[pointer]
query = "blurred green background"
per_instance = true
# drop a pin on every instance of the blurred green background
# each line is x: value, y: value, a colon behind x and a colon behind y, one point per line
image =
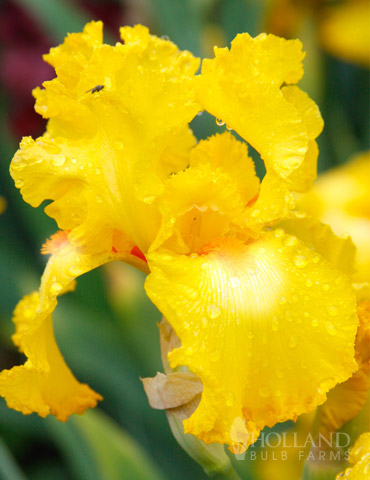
x: 107, y: 329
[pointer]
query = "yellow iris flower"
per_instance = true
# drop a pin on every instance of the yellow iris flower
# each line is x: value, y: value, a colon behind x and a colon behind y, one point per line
x: 341, y: 198
x: 342, y: 26
x: 267, y: 319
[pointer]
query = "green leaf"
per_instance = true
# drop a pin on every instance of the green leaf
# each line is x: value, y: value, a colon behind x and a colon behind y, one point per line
x: 9, y: 469
x: 97, y: 448
x: 180, y: 20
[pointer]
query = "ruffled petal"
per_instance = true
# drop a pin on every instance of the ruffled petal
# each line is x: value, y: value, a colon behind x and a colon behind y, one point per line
x: 209, y: 198
x: 242, y: 87
x: 346, y: 400
x: 259, y: 327
x: 44, y: 384
x: 118, y: 127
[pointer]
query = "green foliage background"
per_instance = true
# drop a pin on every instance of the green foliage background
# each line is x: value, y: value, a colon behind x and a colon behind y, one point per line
x: 109, y: 336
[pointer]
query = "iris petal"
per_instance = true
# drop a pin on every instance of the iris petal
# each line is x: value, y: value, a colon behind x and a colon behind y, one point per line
x: 258, y: 327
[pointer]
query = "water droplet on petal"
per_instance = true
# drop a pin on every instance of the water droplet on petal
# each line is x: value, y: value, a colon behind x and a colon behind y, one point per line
x: 256, y: 213
x: 282, y: 301
x: 97, y: 171
x: 213, y: 311
x: 18, y: 163
x: 118, y: 143
x: 76, y: 270
x: 55, y: 288
x: 326, y: 287
x: 315, y: 322
x: 330, y: 328
x: 73, y: 160
x: 309, y: 282
x: 290, y: 240
x: 19, y: 183
x: 275, y: 324
x: 279, y: 232
x: 228, y: 128
x: 219, y: 122
x: 189, y: 351
x: 300, y: 261
x: 264, y: 391
x: 58, y: 160
x: 333, y: 310
x: 316, y: 259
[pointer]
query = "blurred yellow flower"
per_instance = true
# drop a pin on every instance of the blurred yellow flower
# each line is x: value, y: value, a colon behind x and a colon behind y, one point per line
x: 341, y: 198
x: 267, y: 321
x: 343, y: 27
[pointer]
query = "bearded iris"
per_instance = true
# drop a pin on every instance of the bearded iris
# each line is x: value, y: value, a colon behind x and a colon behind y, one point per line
x: 266, y: 318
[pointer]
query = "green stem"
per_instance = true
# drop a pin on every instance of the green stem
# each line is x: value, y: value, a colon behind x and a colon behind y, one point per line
x: 227, y: 474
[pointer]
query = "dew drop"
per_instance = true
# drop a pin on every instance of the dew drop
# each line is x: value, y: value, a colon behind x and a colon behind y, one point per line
x: 81, y: 167
x: 18, y: 164
x: 333, y: 311
x: 309, y: 282
x: 292, y: 342
x: 315, y: 322
x: 76, y: 270
x: 55, y: 288
x: 326, y: 287
x: 219, y: 122
x: 279, y: 232
x: 282, y: 301
x: 189, y: 350
x: 97, y: 171
x: 330, y: 328
x: 58, y: 160
x: 98, y: 199
x: 275, y: 324
x: 264, y: 391
x: 256, y: 213
x: 213, y: 311
x: 19, y: 183
x: 367, y: 469
x: 316, y: 259
x: 73, y: 160
x: 290, y: 240
x: 118, y: 144
x: 228, y: 128
x: 300, y: 261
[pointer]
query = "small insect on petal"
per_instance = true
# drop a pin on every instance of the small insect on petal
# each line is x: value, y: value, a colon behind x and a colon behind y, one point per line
x: 98, y: 88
